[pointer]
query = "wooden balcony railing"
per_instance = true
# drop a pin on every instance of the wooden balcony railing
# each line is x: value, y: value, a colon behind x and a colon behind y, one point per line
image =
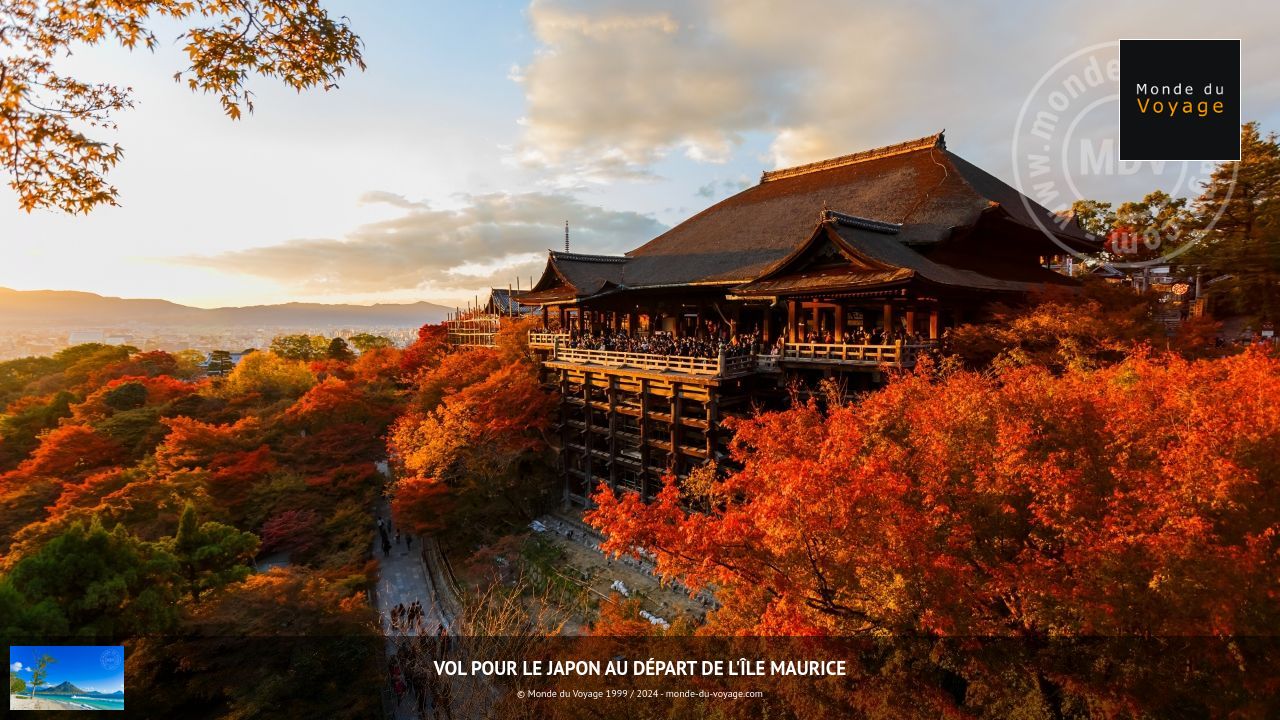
x: 658, y: 363
x: 547, y: 340
x: 897, y: 354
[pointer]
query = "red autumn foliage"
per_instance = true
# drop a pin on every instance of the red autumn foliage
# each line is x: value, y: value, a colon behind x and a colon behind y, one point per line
x: 68, y: 452
x: 235, y: 472
x: 454, y: 372
x: 483, y: 427
x: 475, y: 418
x: 152, y: 363
x: 347, y: 477
x: 1095, y: 324
x: 157, y: 391
x: 1135, y: 499
x: 426, y: 351
x: 377, y: 365
x: 194, y: 444
x: 90, y: 491
x: 337, y: 402
x: 334, y: 446
x: 620, y: 617
x: 421, y: 504
x: 330, y: 368
x: 292, y: 531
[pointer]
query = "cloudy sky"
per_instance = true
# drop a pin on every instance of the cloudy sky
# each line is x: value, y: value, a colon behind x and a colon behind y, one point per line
x: 452, y: 163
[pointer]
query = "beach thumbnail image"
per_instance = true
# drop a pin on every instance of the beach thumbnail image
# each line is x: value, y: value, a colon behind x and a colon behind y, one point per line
x: 66, y: 677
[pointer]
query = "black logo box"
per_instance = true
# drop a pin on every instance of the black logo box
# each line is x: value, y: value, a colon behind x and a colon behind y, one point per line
x: 1187, y: 68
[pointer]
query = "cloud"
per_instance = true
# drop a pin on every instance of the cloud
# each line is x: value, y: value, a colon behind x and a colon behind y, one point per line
x: 16, y: 667
x: 719, y: 188
x: 383, y: 197
x: 489, y: 240
x: 617, y: 85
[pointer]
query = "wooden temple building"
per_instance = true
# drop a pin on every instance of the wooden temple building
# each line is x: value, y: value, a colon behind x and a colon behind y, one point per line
x: 840, y: 268
x: 478, y: 325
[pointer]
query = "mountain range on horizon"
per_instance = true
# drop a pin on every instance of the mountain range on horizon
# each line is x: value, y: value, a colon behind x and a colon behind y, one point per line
x: 31, y: 309
x: 66, y: 687
x: 62, y: 688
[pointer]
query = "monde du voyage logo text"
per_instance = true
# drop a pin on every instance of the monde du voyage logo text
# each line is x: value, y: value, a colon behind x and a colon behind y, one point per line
x: 1180, y: 100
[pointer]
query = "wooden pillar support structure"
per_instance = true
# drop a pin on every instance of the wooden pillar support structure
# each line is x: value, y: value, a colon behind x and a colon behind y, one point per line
x: 613, y: 431
x: 888, y: 319
x: 911, y: 322
x: 793, y: 332
x: 564, y: 430
x: 647, y: 490
x: 677, y: 411
x: 587, y: 433
x: 933, y: 323
x: 713, y: 425
x: 838, y: 334
x: 628, y: 427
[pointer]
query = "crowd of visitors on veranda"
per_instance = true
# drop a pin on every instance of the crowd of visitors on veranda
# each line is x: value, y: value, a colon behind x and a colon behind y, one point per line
x: 712, y: 343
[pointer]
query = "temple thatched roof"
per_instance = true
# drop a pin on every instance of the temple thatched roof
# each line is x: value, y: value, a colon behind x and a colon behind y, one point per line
x: 929, y: 193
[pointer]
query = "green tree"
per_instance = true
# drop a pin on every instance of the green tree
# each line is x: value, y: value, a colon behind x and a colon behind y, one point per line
x: 210, y: 554
x: 1242, y: 248
x: 220, y: 363
x: 268, y: 375
x: 364, y: 342
x: 22, y: 423
x: 16, y: 684
x: 90, y: 581
x: 190, y: 364
x: 300, y: 346
x: 46, y: 116
x: 1151, y: 226
x: 17, y: 374
x: 126, y: 396
x: 40, y: 672
x: 69, y: 356
x: 339, y: 350
x: 1094, y: 216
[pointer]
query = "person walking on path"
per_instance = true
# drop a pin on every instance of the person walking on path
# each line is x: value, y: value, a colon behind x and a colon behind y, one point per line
x: 386, y: 547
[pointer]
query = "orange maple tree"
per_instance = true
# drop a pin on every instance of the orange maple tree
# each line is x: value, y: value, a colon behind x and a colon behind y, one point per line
x: 474, y: 420
x: 1134, y: 499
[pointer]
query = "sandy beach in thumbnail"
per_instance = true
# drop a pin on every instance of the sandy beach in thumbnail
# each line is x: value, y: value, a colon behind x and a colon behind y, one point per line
x: 25, y: 702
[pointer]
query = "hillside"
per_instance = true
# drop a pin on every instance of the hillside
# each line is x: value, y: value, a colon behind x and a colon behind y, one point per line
x: 62, y: 688
x: 21, y: 309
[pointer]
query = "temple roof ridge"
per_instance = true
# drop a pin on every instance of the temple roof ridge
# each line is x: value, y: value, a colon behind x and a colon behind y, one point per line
x: 861, y: 223
x: 584, y: 257
x: 937, y: 140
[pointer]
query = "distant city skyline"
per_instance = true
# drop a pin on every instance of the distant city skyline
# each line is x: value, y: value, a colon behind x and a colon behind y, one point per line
x: 451, y: 164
